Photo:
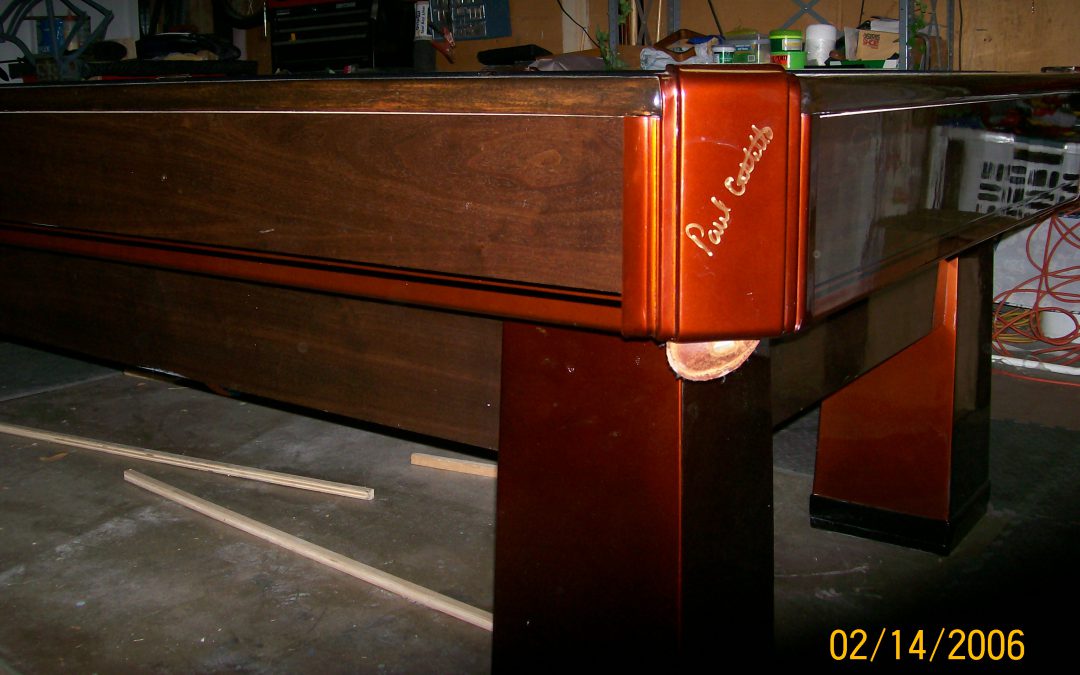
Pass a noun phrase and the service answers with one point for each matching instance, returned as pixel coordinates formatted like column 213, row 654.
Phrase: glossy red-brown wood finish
column 399, row 190
column 579, row 308
column 528, row 220
column 714, row 208
column 904, row 448
column 633, row 507
column 732, row 261
column 641, row 204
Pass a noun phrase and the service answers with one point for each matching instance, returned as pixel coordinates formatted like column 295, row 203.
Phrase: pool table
column 621, row 281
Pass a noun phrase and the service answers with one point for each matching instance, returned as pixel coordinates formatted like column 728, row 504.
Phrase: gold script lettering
column 696, row 236
column 716, row 229
column 759, row 140
column 721, row 223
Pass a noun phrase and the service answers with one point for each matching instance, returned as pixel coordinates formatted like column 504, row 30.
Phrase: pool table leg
column 634, row 518
column 903, row 451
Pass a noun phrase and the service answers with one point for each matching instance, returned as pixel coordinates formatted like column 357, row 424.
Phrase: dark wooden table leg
column 903, row 451
column 634, row 509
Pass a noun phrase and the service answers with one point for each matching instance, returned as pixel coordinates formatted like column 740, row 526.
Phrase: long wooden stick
column 250, row 473
column 459, row 465
column 388, row 582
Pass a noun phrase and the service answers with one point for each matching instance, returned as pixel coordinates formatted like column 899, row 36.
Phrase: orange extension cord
column 1015, row 325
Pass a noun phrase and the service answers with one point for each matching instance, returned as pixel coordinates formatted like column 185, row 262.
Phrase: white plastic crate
column 1000, row 172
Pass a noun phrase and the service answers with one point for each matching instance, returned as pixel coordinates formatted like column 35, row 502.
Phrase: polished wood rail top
column 594, row 95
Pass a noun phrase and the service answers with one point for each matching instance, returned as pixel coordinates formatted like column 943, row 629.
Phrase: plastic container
column 50, row 35
column 750, row 48
column 820, row 41
column 789, row 60
column 723, row 54
column 786, row 41
column 62, row 28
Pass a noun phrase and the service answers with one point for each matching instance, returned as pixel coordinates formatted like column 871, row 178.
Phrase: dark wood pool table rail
column 497, row 196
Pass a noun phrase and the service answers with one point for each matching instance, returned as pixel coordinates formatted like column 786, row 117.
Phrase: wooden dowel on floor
column 250, row 473
column 469, row 466
column 388, row 582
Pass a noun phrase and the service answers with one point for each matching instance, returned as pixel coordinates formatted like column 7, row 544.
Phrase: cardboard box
column 876, row 45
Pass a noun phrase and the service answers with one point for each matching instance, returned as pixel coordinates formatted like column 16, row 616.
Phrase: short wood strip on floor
column 468, row 466
column 235, row 470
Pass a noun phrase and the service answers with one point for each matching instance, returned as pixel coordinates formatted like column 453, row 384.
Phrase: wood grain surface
column 430, row 372
column 529, row 199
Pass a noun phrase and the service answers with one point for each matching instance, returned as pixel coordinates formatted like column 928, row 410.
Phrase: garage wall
column 1006, row 35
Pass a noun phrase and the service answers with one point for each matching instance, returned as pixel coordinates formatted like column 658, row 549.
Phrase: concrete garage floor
column 97, row 575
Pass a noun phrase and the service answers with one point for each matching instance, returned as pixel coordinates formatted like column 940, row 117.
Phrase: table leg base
column 634, row 508
column 926, row 534
column 903, row 451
